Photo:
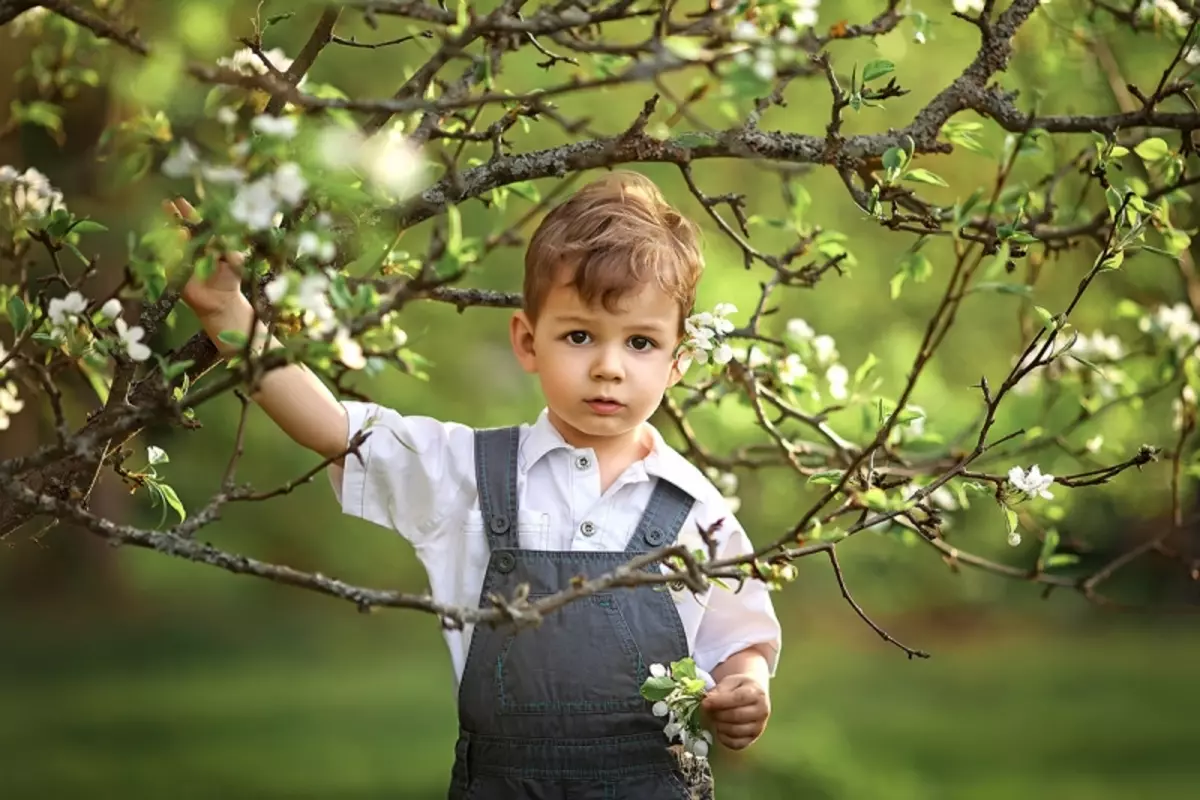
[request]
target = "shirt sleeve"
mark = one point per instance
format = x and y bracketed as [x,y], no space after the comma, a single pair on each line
[735,620]
[409,474]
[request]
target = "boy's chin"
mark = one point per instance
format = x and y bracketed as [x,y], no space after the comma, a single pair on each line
[592,424]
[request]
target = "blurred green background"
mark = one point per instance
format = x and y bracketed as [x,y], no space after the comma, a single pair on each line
[128,674]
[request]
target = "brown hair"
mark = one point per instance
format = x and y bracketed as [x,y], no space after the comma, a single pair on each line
[614,235]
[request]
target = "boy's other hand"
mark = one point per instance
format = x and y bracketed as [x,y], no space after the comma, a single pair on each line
[220,290]
[739,707]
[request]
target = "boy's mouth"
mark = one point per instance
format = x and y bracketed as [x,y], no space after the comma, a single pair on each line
[604,405]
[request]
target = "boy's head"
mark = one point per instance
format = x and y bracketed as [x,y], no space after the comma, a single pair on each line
[611,239]
[610,277]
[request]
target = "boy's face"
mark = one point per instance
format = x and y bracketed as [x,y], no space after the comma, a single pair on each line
[603,374]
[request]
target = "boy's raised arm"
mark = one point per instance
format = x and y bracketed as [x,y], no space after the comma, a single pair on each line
[292,396]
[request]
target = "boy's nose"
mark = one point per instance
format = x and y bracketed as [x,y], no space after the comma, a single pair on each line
[608,365]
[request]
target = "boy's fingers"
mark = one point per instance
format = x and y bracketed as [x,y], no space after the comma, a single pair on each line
[744,731]
[740,714]
[741,696]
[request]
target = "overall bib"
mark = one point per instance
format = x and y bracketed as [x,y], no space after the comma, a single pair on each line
[554,712]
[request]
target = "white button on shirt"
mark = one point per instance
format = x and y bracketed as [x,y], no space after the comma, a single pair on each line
[417,476]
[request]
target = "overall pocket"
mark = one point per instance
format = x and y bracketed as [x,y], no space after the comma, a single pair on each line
[582,659]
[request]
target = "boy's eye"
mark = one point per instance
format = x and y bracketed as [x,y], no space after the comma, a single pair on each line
[641,343]
[578,337]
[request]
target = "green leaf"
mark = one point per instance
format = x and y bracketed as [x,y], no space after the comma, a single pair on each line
[692,139]
[1046,317]
[275,19]
[655,689]
[1049,545]
[88,226]
[895,158]
[18,314]
[876,69]
[683,668]
[1061,560]
[1113,261]
[98,381]
[875,499]
[864,369]
[235,338]
[684,47]
[1002,288]
[173,500]
[924,176]
[829,477]
[1010,519]
[526,189]
[1153,149]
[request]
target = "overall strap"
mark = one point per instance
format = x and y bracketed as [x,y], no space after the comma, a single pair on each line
[496,479]
[659,526]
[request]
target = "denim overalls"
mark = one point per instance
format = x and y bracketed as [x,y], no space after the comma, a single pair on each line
[554,712]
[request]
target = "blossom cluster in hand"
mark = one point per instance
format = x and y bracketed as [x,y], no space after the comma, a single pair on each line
[676,692]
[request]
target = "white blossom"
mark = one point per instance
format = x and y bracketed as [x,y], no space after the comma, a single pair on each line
[182,160]
[283,127]
[313,298]
[10,404]
[1176,322]
[1094,444]
[838,376]
[825,349]
[349,352]
[1182,406]
[800,330]
[699,748]
[8,174]
[156,455]
[226,115]
[658,671]
[745,31]
[33,195]
[131,340]
[660,709]
[787,36]
[1033,483]
[1098,347]
[919,37]
[1014,539]
[247,62]
[394,163]
[64,310]
[289,184]
[805,14]
[277,288]
[673,729]
[111,308]
[310,244]
[255,205]
[793,370]
[222,174]
[1171,10]
[967,6]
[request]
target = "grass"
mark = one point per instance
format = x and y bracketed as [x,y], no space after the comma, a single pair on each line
[316,713]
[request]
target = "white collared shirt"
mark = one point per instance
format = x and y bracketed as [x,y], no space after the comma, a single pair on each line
[417,476]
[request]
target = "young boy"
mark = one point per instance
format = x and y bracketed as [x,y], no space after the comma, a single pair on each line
[555,711]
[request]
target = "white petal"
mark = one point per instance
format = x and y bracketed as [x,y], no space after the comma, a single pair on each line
[658,670]
[660,709]
[137,351]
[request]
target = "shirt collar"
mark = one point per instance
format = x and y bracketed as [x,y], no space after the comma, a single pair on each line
[663,461]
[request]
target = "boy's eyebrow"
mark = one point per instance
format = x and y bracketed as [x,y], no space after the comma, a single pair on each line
[576,319]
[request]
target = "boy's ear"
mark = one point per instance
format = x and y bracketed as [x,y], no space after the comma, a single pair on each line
[520,333]
[676,373]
